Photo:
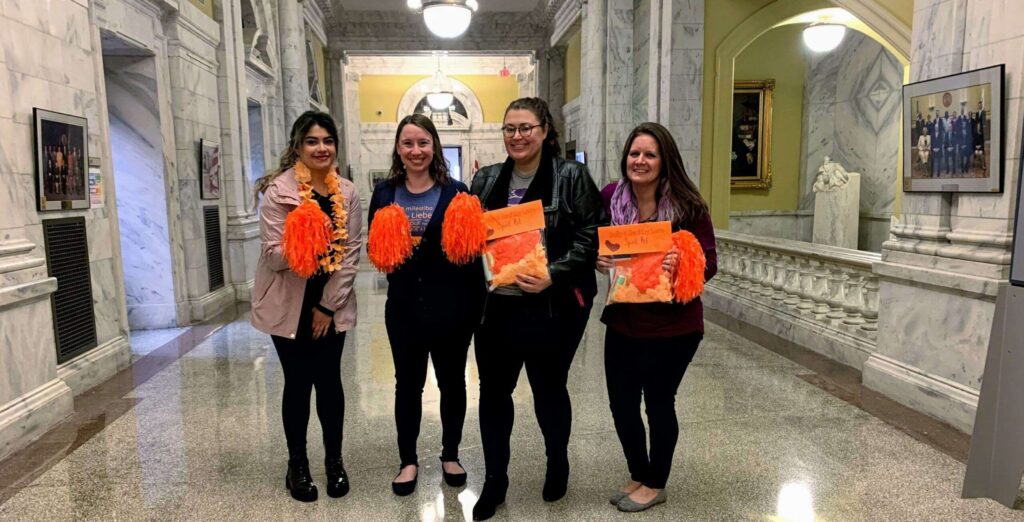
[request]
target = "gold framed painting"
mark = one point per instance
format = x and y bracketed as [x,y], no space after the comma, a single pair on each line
[751,166]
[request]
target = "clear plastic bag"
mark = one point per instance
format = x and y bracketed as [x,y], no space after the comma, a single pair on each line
[515,244]
[638,252]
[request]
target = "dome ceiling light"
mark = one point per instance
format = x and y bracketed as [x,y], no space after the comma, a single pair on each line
[446,18]
[822,38]
[441,95]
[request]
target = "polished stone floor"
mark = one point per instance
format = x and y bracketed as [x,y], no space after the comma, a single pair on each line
[193,432]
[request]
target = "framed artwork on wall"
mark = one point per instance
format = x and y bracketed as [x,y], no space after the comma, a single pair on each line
[1017,251]
[751,166]
[209,169]
[61,148]
[954,133]
[376,176]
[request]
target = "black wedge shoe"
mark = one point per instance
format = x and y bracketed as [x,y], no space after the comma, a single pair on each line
[492,496]
[337,478]
[405,488]
[298,480]
[455,480]
[556,482]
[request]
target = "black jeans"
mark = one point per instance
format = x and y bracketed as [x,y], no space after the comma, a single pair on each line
[652,368]
[517,332]
[311,363]
[446,346]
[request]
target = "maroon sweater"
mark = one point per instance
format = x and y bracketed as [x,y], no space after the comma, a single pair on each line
[667,319]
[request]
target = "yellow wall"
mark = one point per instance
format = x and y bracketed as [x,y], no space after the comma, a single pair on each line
[903,10]
[573,67]
[205,6]
[383,93]
[778,55]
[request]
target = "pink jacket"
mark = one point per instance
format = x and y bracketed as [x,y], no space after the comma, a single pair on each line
[277,293]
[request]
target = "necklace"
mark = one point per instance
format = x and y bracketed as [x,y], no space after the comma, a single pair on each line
[335,253]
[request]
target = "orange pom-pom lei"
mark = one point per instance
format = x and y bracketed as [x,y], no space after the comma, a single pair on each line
[463,233]
[308,240]
[390,240]
[690,271]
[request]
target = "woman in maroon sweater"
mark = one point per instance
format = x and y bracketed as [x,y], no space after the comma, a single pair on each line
[649,346]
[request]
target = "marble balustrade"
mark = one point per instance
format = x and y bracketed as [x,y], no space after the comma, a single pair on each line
[832,287]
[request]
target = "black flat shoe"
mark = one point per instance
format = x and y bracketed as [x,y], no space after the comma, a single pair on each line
[299,482]
[455,480]
[405,488]
[556,482]
[492,496]
[337,478]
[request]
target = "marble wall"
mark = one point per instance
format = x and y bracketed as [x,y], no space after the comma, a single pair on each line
[852,100]
[641,59]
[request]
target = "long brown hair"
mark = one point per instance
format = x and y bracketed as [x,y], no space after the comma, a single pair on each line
[687,203]
[438,169]
[290,154]
[540,109]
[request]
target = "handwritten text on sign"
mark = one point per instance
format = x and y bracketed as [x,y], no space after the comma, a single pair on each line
[635,239]
[515,219]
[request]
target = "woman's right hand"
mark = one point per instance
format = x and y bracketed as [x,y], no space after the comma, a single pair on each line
[604,264]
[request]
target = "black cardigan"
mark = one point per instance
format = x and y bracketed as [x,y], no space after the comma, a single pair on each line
[428,287]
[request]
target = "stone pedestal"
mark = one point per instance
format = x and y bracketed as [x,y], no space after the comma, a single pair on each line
[836,215]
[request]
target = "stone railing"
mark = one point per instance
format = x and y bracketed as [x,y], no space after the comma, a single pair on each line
[833,287]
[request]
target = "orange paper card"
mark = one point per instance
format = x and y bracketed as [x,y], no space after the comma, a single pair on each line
[641,238]
[514,219]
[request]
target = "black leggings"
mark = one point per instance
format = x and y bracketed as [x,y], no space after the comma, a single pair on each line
[308,363]
[517,332]
[446,346]
[652,368]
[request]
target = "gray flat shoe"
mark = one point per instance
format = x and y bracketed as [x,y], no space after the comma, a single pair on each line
[627,504]
[617,496]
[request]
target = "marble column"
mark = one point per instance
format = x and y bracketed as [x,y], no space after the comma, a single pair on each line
[294,77]
[554,61]
[681,77]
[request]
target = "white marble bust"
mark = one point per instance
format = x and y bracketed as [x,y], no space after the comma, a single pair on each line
[831,176]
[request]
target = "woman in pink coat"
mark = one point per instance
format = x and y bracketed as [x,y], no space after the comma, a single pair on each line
[306,303]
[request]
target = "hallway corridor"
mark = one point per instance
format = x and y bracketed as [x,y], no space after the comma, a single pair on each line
[192,431]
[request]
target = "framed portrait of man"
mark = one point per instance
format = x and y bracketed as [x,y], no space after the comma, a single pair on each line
[954,133]
[61,150]
[751,166]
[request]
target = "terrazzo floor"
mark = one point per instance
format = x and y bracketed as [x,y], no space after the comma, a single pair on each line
[200,438]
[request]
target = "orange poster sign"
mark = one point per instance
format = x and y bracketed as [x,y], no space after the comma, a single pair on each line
[513,220]
[635,239]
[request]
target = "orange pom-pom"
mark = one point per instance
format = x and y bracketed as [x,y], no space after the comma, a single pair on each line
[390,241]
[463,233]
[307,236]
[690,272]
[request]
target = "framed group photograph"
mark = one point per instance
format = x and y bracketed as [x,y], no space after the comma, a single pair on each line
[954,133]
[751,166]
[61,150]
[209,169]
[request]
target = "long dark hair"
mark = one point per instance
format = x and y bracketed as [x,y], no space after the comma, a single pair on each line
[438,169]
[540,109]
[290,154]
[687,203]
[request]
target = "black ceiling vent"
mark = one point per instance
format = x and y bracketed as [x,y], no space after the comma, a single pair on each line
[214,259]
[67,259]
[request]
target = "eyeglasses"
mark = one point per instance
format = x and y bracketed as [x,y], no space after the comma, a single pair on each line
[524,130]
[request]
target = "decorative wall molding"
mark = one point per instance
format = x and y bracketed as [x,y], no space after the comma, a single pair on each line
[96,365]
[566,18]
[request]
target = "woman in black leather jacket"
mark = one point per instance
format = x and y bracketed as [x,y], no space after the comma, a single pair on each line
[538,323]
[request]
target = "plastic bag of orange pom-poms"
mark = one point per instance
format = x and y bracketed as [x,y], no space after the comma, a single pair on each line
[638,252]
[515,244]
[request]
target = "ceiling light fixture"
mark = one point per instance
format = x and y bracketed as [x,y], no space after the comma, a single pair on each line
[441,96]
[822,38]
[446,18]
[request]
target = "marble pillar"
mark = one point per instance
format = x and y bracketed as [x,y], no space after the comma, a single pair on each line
[294,78]
[836,214]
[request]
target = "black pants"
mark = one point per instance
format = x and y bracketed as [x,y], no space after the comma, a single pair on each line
[517,331]
[446,346]
[307,364]
[653,369]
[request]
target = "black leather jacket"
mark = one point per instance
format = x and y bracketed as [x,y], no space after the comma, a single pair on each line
[573,209]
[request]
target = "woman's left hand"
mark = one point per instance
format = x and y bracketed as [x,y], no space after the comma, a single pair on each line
[321,323]
[671,260]
[531,284]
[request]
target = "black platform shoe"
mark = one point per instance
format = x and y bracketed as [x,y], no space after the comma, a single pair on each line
[556,482]
[299,482]
[337,479]
[492,496]
[454,480]
[405,488]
